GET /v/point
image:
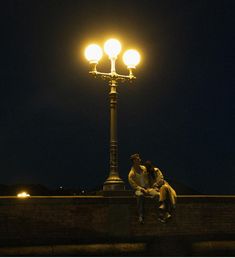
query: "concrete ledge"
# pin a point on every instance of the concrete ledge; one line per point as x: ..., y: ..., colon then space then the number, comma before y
x: 77, y: 220
x: 71, y: 250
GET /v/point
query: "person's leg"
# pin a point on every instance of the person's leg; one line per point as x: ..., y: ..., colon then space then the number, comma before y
x: 140, y: 205
x: 168, y: 197
x: 172, y: 198
x: 164, y: 205
x: 156, y: 195
x: 163, y: 193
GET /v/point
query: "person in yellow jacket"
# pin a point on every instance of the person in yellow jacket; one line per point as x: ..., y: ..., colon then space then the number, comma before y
x: 167, y: 195
x: 144, y: 185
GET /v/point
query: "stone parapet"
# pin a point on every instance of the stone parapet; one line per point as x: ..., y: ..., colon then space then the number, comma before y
x: 66, y: 220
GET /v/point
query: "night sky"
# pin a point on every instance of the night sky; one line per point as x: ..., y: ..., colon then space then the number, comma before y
x: 179, y: 113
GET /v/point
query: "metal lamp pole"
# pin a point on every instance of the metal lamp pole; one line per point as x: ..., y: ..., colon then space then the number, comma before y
x: 113, y: 182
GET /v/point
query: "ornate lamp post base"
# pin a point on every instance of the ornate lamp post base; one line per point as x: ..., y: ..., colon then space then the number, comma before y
x: 113, y: 184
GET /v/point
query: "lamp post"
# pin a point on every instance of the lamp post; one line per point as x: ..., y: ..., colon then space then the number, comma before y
x: 131, y: 58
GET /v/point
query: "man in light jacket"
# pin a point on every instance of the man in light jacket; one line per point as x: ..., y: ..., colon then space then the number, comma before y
x: 139, y: 181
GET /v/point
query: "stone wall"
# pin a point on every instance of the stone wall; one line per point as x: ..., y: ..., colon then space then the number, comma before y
x: 97, y: 219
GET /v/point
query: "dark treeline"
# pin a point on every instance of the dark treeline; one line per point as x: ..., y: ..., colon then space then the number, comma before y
x: 41, y: 190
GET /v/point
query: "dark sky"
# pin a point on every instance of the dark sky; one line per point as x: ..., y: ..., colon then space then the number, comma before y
x: 54, y: 123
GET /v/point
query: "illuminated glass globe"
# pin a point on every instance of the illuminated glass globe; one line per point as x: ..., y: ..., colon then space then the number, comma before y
x: 131, y: 58
x: 112, y: 48
x: 93, y: 53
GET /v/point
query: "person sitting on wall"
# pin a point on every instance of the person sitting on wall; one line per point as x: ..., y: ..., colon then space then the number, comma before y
x: 167, y: 195
x: 139, y: 180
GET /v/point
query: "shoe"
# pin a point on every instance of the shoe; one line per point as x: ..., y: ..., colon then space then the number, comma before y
x: 167, y: 215
x: 141, y: 220
x: 164, y: 217
x: 162, y: 220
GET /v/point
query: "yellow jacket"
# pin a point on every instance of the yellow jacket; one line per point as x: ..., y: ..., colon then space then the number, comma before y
x: 159, y: 181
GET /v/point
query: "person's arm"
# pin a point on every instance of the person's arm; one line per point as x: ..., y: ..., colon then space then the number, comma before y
x: 159, y: 178
x: 133, y: 183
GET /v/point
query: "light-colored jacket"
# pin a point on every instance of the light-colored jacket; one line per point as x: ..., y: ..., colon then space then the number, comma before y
x: 159, y: 181
x: 138, y: 180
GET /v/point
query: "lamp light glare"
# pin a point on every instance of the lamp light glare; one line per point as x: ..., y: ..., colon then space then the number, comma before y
x: 131, y: 58
x: 112, y: 48
x: 93, y: 53
x: 23, y: 195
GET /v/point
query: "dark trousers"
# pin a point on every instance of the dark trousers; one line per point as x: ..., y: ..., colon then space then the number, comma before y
x: 140, y: 205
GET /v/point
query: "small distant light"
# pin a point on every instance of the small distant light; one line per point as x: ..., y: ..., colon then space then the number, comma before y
x: 61, y: 187
x: 83, y: 191
x: 23, y: 195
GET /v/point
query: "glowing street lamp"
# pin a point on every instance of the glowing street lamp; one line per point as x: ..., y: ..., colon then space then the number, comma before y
x: 131, y: 58
x: 93, y: 53
x: 112, y: 48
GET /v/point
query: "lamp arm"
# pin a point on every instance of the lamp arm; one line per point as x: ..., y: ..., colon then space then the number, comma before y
x: 115, y: 76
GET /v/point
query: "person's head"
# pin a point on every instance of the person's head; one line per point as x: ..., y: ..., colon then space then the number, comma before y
x: 148, y: 164
x: 135, y: 158
x: 150, y: 169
